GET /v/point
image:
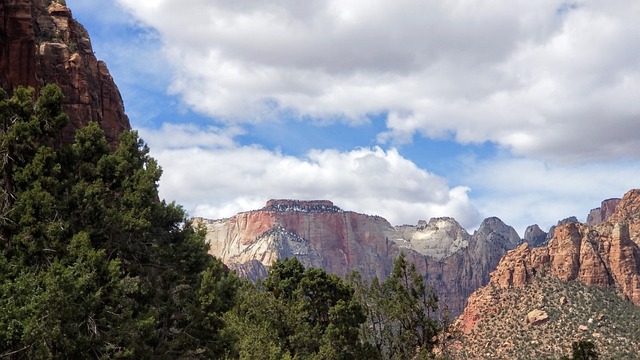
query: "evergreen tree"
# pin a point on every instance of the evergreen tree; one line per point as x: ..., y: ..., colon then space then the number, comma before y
x: 400, y: 313
x: 582, y: 350
x: 92, y: 263
x: 298, y: 313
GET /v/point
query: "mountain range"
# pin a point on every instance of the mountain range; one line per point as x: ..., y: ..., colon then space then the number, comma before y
x: 321, y: 234
x: 551, y: 284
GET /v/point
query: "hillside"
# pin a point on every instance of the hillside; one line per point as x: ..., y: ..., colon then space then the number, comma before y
x: 584, y: 272
x: 575, y: 312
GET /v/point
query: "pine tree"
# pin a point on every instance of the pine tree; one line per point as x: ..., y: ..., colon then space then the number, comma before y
x: 400, y: 313
x: 92, y: 263
x: 298, y: 313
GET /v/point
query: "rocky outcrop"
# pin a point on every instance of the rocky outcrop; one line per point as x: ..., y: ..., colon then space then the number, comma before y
x: 534, y: 236
x: 41, y: 43
x: 603, y: 255
x: 322, y: 235
x: 455, y: 277
x: 537, y: 317
x: 602, y: 213
x: 438, y: 238
x: 569, y: 220
x: 338, y: 241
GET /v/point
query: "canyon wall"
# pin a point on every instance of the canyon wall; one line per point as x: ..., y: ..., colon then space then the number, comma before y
x: 322, y: 235
x: 606, y: 255
x: 41, y: 43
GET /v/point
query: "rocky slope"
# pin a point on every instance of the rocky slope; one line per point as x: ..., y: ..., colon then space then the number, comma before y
x: 322, y: 235
x: 41, y: 43
x: 606, y: 255
x: 543, y: 319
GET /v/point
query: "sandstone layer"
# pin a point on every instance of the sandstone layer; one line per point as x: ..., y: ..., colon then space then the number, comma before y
x: 604, y: 255
x: 41, y: 43
x: 602, y: 213
x: 322, y: 235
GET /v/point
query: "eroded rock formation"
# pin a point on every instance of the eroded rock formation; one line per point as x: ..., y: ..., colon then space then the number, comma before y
x: 41, y: 43
x: 535, y: 236
x: 604, y: 255
x: 602, y: 213
x: 322, y: 235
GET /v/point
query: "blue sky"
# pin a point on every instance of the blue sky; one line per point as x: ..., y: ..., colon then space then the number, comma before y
x: 408, y: 110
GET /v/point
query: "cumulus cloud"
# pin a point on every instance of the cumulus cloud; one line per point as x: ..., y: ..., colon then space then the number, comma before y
x: 215, y: 178
x: 549, y: 79
x: 523, y: 191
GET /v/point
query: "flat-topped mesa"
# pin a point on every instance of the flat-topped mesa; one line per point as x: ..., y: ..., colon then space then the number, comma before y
x: 281, y: 205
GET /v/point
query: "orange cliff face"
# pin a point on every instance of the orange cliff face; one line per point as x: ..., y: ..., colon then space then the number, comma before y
x: 603, y: 255
x: 333, y: 239
x: 41, y: 43
x: 322, y: 235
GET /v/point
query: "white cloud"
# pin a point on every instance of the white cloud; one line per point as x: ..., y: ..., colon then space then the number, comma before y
x: 552, y: 82
x: 215, y: 178
x: 522, y: 192
x: 548, y: 79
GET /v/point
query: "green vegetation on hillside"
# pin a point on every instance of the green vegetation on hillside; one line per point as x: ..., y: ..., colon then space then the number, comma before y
x: 578, y: 315
x: 94, y: 265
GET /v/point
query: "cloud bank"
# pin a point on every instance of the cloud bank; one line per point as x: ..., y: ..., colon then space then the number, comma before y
x: 552, y: 84
x: 214, y: 177
x: 553, y: 80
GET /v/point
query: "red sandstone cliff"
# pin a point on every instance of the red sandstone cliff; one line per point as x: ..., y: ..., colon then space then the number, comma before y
x: 41, y: 43
x: 320, y: 234
x: 602, y: 213
x: 604, y: 255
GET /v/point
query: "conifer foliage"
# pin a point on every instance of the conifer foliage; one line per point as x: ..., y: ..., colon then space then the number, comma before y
x: 92, y: 264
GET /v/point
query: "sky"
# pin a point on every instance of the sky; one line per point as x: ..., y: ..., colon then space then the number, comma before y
x: 407, y: 109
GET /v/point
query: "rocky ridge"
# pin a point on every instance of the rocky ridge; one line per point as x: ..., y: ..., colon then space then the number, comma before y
x: 41, y: 43
x: 606, y: 255
x: 602, y: 213
x: 534, y: 236
x: 322, y: 235
x: 543, y: 319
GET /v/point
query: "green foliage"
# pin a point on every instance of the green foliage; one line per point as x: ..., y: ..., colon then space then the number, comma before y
x: 297, y: 313
x: 92, y: 264
x: 401, y: 322
x: 583, y: 350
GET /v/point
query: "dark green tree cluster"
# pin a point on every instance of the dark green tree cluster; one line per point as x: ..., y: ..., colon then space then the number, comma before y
x: 401, y: 321
x: 92, y: 264
x: 582, y: 350
x: 298, y: 313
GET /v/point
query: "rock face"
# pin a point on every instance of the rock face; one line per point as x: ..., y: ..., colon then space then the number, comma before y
x: 438, y: 238
x: 569, y: 220
x: 455, y: 277
x: 602, y: 213
x: 605, y: 255
x: 537, y: 317
x: 535, y: 236
x: 316, y: 232
x: 322, y: 235
x: 41, y: 43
